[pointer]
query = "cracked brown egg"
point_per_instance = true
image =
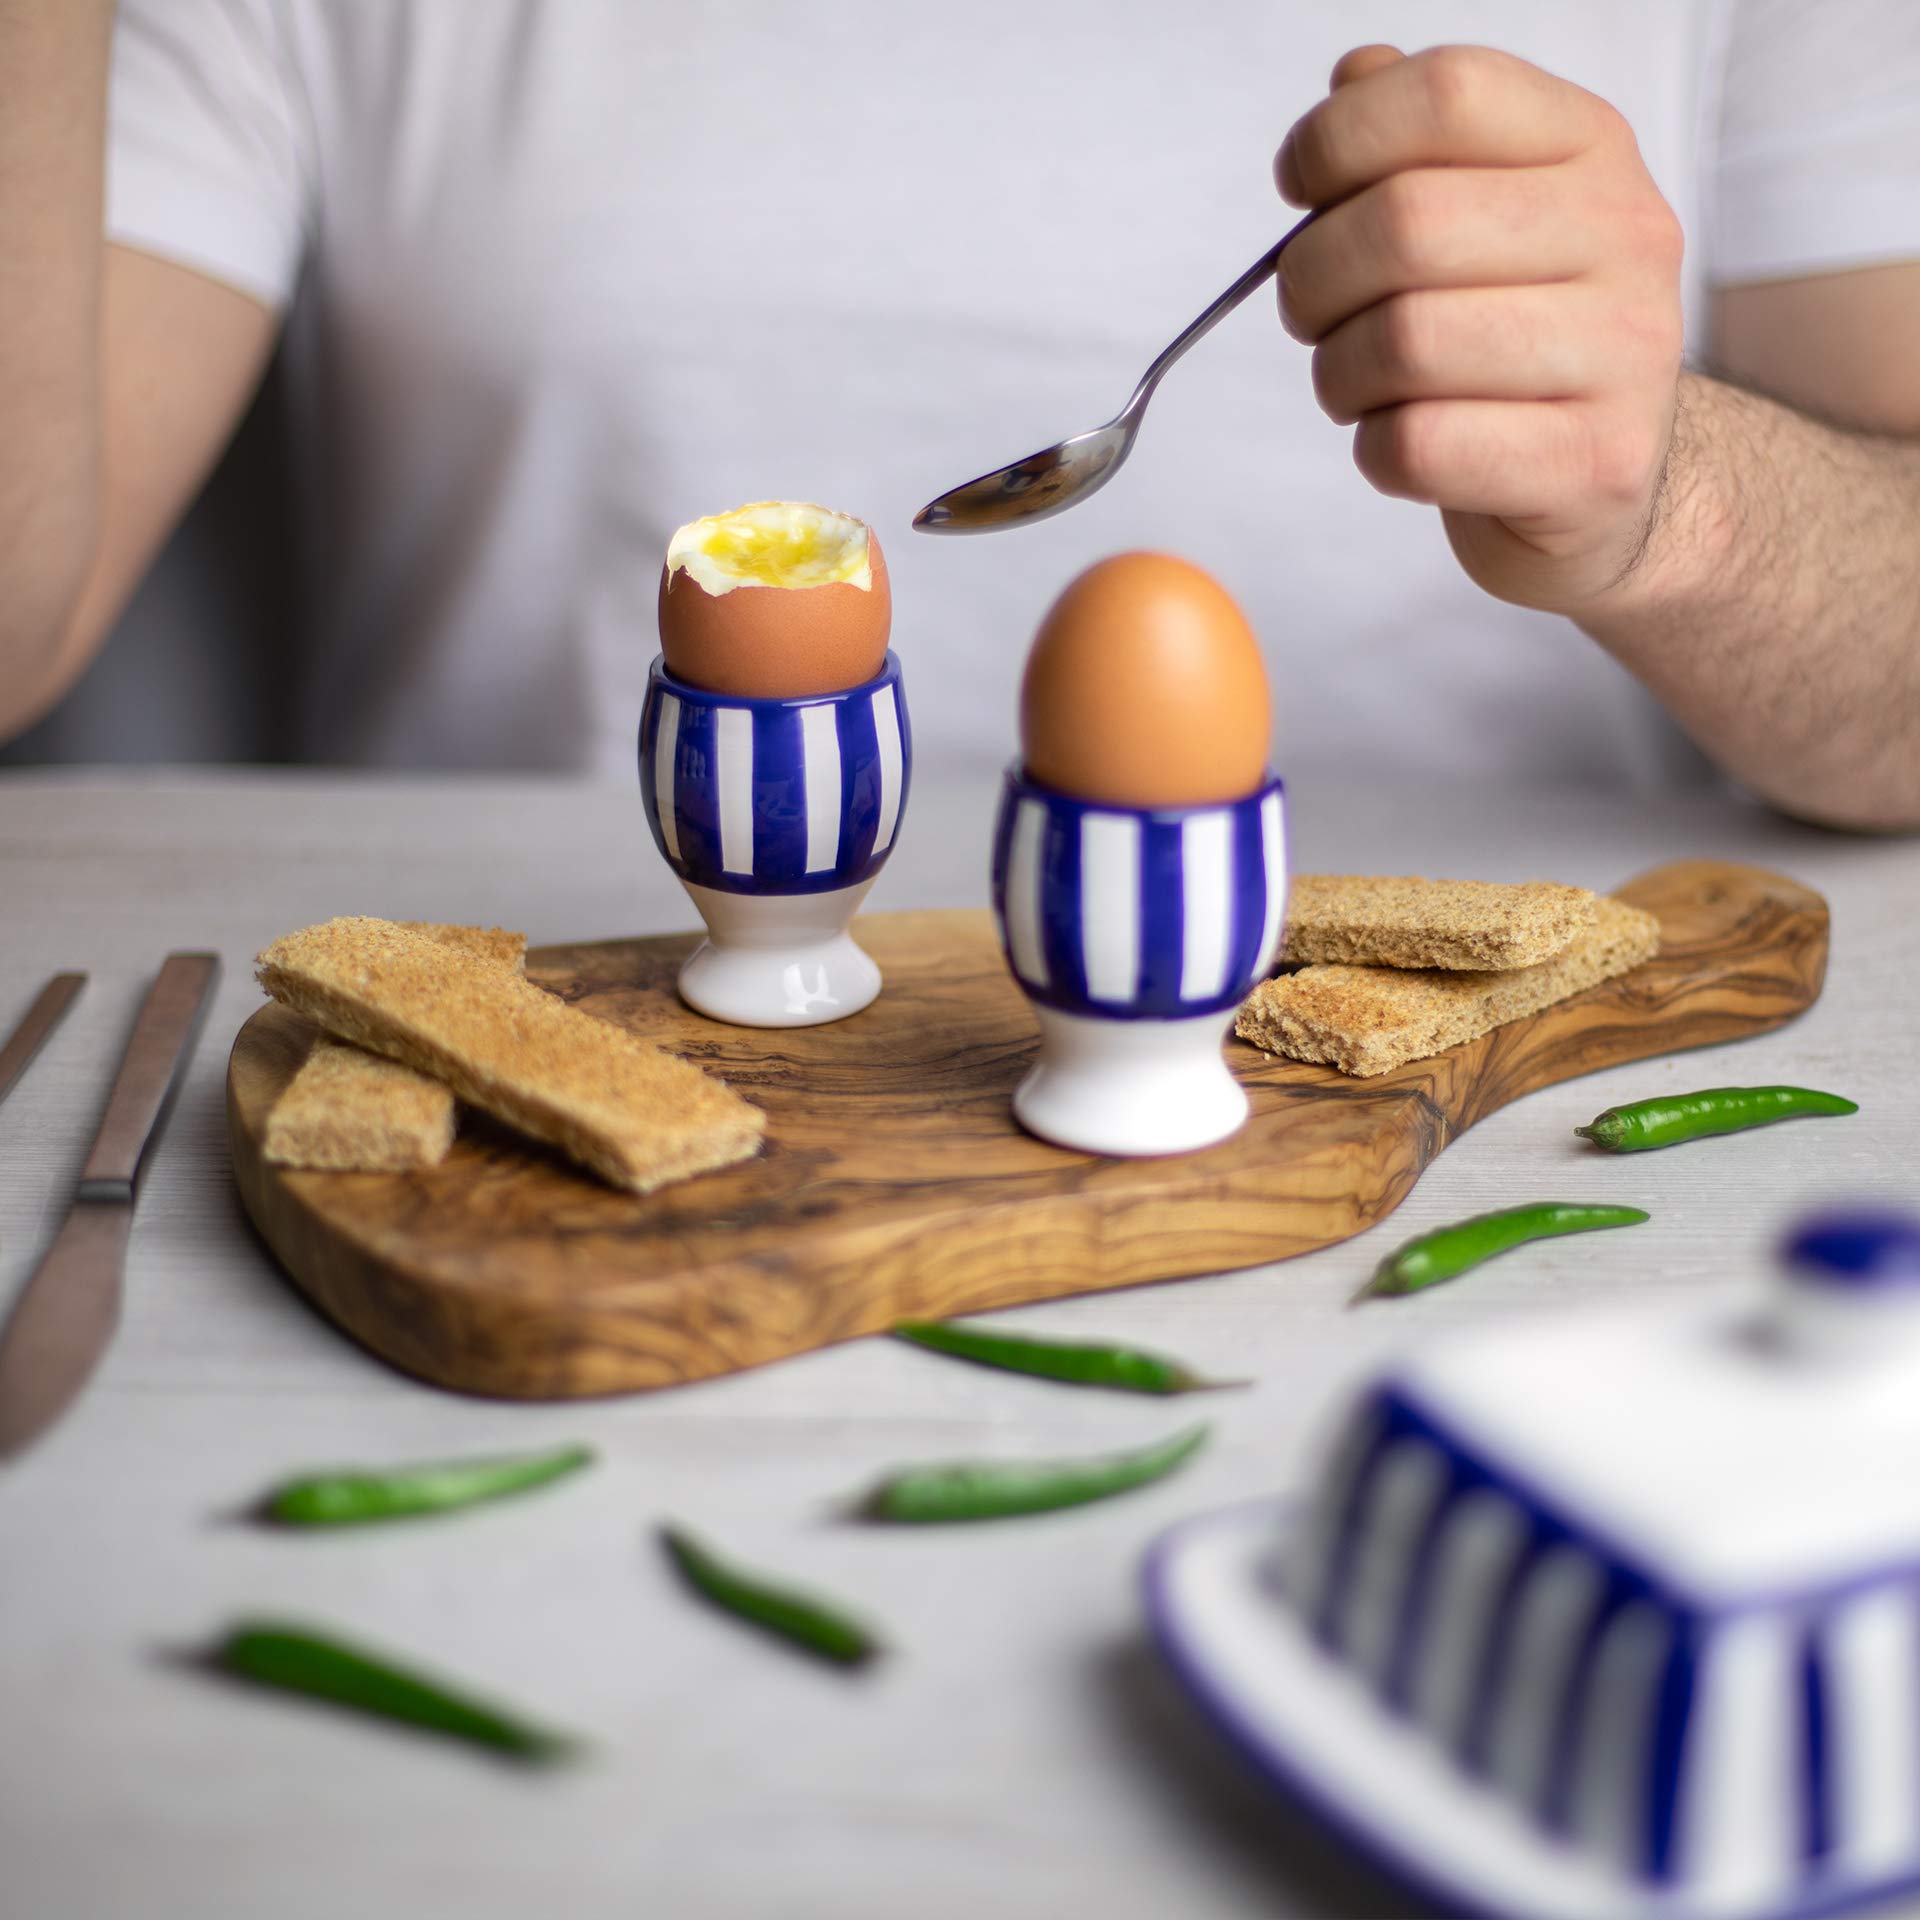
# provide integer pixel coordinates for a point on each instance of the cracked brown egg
(779, 599)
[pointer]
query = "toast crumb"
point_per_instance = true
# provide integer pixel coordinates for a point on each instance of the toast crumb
(350, 1111)
(1369, 1020)
(636, 1116)
(1467, 925)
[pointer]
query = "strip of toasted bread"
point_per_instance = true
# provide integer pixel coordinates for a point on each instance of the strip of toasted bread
(1477, 925)
(634, 1115)
(504, 949)
(350, 1111)
(1368, 1020)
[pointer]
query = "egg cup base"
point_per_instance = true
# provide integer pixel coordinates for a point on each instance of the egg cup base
(778, 960)
(1131, 1088)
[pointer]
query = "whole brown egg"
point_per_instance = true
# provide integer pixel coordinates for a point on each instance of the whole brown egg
(1145, 688)
(778, 599)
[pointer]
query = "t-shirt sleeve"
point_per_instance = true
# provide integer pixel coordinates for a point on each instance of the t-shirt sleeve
(208, 144)
(1818, 161)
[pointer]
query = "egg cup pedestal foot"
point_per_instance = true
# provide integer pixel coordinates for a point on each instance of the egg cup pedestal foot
(774, 961)
(1130, 1087)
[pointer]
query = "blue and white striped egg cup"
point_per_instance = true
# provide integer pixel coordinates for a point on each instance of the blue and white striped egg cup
(1136, 932)
(1613, 1614)
(776, 816)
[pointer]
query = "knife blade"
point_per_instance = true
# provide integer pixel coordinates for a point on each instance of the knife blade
(65, 1316)
(36, 1027)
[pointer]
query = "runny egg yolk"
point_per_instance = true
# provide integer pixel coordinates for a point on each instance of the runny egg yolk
(772, 543)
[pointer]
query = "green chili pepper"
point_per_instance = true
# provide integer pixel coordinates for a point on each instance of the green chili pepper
(1127, 1368)
(1449, 1251)
(813, 1624)
(349, 1499)
(1669, 1119)
(300, 1660)
(995, 1489)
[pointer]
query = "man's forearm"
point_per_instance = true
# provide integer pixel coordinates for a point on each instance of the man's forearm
(53, 62)
(1775, 609)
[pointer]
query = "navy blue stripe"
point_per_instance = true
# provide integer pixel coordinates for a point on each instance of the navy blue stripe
(859, 782)
(696, 789)
(1346, 1538)
(1062, 930)
(1673, 1707)
(1491, 1669)
(1556, 1809)
(905, 721)
(677, 787)
(1247, 898)
(779, 794)
(1409, 1629)
(650, 712)
(1816, 1776)
(1162, 912)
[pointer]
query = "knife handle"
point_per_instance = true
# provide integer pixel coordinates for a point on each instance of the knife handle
(163, 1038)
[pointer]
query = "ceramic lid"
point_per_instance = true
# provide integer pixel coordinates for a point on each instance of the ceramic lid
(1727, 1447)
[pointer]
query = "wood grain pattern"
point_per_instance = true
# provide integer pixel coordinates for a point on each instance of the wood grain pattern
(895, 1183)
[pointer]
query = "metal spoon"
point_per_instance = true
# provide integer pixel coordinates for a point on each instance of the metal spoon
(1060, 477)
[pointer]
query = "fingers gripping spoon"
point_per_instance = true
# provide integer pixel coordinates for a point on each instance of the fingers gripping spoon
(66, 1313)
(1059, 477)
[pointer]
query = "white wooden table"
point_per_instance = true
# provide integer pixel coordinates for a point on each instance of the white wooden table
(1022, 1754)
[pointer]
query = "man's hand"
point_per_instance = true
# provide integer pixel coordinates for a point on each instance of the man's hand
(1493, 298)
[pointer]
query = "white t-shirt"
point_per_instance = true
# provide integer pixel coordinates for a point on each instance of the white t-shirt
(562, 275)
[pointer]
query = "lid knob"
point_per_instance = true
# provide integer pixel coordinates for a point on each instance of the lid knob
(1852, 1284)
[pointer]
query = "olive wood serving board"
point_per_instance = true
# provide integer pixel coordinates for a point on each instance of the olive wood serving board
(894, 1183)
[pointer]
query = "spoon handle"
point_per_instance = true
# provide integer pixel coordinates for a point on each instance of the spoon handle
(1211, 316)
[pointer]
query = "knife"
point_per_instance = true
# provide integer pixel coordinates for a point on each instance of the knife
(66, 1313)
(36, 1027)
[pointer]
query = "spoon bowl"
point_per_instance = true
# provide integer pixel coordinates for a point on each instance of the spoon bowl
(1061, 476)
(1044, 483)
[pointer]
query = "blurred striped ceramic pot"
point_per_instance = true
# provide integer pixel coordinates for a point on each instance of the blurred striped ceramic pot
(776, 816)
(1136, 932)
(1612, 1611)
